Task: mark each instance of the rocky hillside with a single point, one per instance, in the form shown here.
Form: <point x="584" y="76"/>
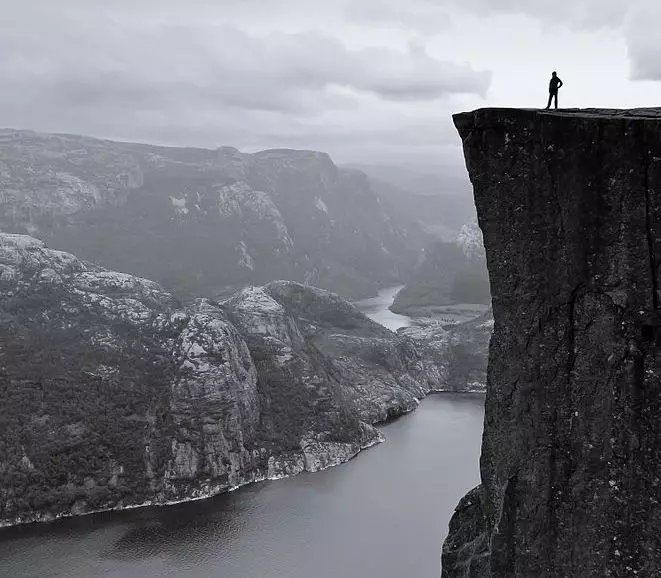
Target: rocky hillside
<point x="459" y="350"/>
<point x="112" y="393"/>
<point x="449" y="273"/>
<point x="571" y="456"/>
<point x="202" y="221"/>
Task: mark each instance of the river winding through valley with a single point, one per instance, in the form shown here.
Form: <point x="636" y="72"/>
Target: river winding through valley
<point x="383" y="514"/>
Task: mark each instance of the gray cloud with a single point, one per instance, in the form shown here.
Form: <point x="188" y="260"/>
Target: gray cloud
<point x="573" y="14"/>
<point x="433" y="16"/>
<point x="352" y="77"/>
<point x="234" y="68"/>
<point x="104" y="61"/>
<point x="643" y="41"/>
<point x="421" y="16"/>
<point x="125" y="72"/>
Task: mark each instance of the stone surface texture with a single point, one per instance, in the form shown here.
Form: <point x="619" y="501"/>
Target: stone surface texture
<point x="570" y="206"/>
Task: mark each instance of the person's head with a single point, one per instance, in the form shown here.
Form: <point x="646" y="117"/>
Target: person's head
<point x="554" y="73"/>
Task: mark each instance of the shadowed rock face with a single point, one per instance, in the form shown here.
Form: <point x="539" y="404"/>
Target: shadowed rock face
<point x="570" y="206"/>
<point x="113" y="394"/>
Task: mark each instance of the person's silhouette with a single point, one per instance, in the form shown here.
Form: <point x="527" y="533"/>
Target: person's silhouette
<point x="554" y="86"/>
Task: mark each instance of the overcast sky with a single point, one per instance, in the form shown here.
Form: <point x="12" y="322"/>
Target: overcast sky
<point x="371" y="81"/>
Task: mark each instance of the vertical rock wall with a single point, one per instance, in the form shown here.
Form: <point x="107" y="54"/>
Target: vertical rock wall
<point x="570" y="206"/>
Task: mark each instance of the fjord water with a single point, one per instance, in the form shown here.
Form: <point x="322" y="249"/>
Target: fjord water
<point x="377" y="309"/>
<point x="384" y="514"/>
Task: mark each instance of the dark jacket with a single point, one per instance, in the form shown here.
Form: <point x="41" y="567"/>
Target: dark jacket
<point x="554" y="84"/>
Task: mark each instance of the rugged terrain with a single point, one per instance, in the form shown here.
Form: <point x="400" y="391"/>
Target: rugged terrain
<point x="570" y="206"/>
<point x="461" y="350"/>
<point x="114" y="394"/>
<point x="449" y="273"/>
<point x="202" y="222"/>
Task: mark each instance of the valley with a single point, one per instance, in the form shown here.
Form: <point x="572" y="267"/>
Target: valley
<point x="362" y="510"/>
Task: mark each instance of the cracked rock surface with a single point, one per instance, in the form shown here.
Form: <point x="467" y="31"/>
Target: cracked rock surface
<point x="570" y="206"/>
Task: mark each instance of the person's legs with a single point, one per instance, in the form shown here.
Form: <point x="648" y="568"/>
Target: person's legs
<point x="556" y="99"/>
<point x="550" y="97"/>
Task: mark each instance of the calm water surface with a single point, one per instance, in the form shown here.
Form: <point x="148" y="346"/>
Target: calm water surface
<point x="376" y="308"/>
<point x="384" y="514"/>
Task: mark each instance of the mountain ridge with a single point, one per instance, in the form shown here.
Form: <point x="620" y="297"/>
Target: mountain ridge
<point x="203" y="221"/>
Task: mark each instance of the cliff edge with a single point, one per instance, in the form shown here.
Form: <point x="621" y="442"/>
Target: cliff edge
<point x="569" y="203"/>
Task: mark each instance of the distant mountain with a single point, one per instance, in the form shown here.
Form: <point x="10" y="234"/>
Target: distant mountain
<point x="201" y="221"/>
<point x="442" y="180"/>
<point x="438" y="201"/>
<point x="449" y="273"/>
<point x="113" y="394"/>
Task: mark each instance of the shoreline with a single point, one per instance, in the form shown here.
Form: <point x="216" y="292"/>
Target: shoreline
<point x="380" y="438"/>
<point x="48" y="519"/>
<point x="292" y="464"/>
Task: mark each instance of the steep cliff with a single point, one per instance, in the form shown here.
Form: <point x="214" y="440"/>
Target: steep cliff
<point x="570" y="206"/>
<point x="203" y="221"/>
<point x="113" y="394"/>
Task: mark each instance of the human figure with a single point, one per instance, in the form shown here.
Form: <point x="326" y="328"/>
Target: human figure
<point x="554" y="86"/>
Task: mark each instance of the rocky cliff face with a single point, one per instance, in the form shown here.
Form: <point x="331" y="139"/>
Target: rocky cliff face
<point x="569" y="203"/>
<point x="197" y="220"/>
<point x="113" y="394"/>
<point x="460" y="350"/>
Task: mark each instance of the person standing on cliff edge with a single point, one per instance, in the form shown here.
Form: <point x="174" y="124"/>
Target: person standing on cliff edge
<point x="554" y="85"/>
